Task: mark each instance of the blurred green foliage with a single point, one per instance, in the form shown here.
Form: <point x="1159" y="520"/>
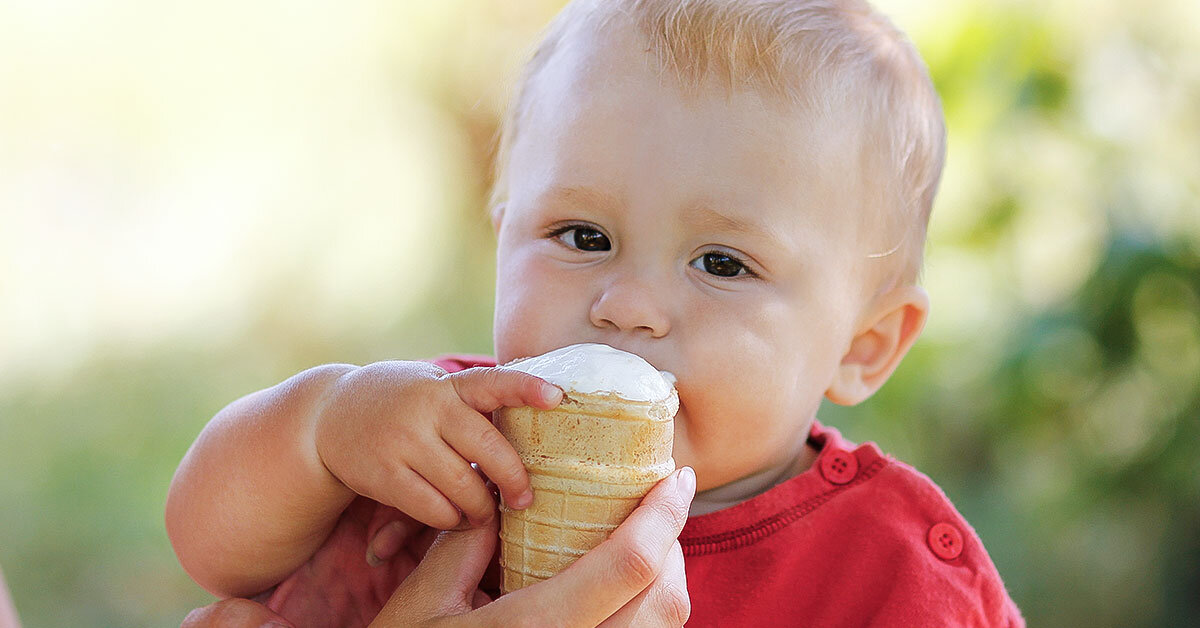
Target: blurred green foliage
<point x="1055" y="396"/>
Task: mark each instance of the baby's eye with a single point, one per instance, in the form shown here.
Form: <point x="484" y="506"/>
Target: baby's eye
<point x="582" y="238"/>
<point x="721" y="265"/>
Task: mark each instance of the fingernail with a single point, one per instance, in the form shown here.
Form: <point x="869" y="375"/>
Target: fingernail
<point x="274" y="624"/>
<point x="550" y="392"/>
<point x="524" y="500"/>
<point x="687" y="482"/>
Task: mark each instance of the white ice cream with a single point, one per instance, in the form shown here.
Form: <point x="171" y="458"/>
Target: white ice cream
<point x="596" y="368"/>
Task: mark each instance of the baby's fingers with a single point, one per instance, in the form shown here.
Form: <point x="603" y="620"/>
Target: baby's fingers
<point x="486" y="389"/>
<point x="477" y="440"/>
<point x="416" y="497"/>
<point x="455" y="478"/>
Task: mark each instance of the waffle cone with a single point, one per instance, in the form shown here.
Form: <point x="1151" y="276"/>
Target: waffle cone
<point x="590" y="461"/>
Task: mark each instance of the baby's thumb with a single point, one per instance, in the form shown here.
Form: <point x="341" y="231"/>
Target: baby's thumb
<point x="446" y="581"/>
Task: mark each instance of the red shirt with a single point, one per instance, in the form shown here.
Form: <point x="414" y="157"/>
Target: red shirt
<point x="859" y="539"/>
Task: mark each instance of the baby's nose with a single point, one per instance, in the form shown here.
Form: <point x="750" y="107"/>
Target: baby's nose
<point x="631" y="304"/>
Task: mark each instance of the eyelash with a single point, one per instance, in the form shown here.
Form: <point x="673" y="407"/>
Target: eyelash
<point x="555" y="232"/>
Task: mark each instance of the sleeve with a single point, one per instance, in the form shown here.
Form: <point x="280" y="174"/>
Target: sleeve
<point x="454" y="363"/>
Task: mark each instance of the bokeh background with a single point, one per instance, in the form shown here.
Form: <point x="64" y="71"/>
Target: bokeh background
<point x="198" y="200"/>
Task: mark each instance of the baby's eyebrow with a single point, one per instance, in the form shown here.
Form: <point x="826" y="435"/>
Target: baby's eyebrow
<point x="707" y="219"/>
<point x="583" y="195"/>
<point x="710" y="219"/>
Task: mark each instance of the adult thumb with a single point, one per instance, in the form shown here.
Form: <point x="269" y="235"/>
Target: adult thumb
<point x="446" y="582"/>
<point x="233" y="613"/>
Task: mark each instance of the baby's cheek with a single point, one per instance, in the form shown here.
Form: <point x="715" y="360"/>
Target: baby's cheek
<point x="737" y="408"/>
<point x="710" y="420"/>
<point x="510" y="325"/>
<point x="532" y="316"/>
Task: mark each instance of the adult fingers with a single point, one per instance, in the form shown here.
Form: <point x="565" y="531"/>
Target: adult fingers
<point x="234" y="613"/>
<point x="664" y="603"/>
<point x="390" y="539"/>
<point x="446" y="581"/>
<point x="476" y="439"/>
<point x="486" y="389"/>
<point x="605" y="579"/>
<point x="457" y="480"/>
<point x="8" y="612"/>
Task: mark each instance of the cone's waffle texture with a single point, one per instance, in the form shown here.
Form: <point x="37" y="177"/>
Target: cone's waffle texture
<point x="590" y="460"/>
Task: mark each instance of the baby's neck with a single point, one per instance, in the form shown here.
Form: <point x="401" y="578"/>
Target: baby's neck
<point x="740" y="490"/>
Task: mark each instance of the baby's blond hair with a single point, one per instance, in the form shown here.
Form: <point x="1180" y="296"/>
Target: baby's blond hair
<point x="825" y="56"/>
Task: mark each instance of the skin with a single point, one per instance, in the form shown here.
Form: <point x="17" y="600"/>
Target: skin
<point x="253" y="504"/>
<point x="635" y="578"/>
<point x="629" y="202"/>
<point x="8" y="612"/>
<point x="272" y="474"/>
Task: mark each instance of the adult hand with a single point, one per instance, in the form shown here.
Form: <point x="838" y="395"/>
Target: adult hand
<point x="370" y="552"/>
<point x="634" y="578"/>
<point x="234" y="612"/>
<point x="8" y="612"/>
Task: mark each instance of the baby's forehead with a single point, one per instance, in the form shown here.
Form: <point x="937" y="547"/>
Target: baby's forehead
<point x="605" y="116"/>
<point x="595" y="63"/>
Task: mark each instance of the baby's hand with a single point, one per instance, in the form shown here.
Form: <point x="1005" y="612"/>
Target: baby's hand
<point x="405" y="434"/>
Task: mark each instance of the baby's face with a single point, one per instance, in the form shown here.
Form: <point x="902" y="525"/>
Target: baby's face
<point x="717" y="237"/>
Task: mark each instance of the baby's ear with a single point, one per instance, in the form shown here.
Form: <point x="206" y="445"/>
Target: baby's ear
<point x="889" y="330"/>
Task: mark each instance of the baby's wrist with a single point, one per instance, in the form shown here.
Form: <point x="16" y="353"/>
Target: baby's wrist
<point x="316" y="432"/>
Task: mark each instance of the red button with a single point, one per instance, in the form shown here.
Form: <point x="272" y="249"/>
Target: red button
<point x="839" y="466"/>
<point x="946" y="541"/>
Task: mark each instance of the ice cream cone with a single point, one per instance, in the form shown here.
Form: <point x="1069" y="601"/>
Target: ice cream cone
<point x="590" y="461"/>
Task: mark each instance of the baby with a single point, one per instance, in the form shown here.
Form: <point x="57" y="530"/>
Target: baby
<point x="735" y="190"/>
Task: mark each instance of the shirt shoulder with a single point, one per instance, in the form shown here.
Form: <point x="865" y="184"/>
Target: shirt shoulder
<point x="938" y="564"/>
<point x="858" y="539"/>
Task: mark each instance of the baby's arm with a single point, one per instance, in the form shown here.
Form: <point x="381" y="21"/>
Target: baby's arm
<point x="251" y="500"/>
<point x="267" y="479"/>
